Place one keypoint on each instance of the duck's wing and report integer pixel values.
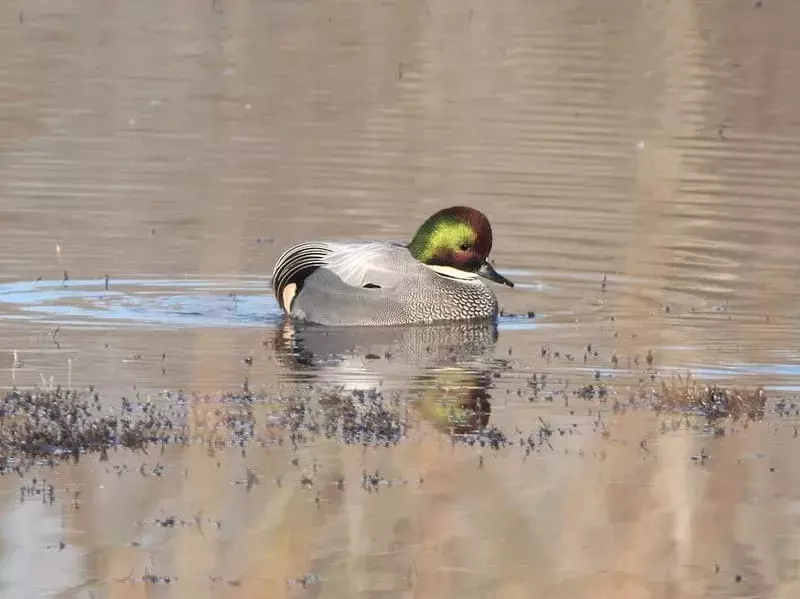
(364, 264)
(369, 264)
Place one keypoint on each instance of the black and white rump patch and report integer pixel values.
(293, 267)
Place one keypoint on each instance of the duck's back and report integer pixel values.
(373, 283)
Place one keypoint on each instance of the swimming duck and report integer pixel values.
(437, 277)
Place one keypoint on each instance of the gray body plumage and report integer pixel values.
(366, 283)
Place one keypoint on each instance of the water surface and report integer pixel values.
(638, 164)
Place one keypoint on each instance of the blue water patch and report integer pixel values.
(521, 322)
(191, 302)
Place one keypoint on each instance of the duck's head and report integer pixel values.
(456, 242)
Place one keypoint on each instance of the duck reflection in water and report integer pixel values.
(443, 372)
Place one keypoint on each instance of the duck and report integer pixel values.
(437, 277)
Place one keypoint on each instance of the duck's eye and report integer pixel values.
(464, 247)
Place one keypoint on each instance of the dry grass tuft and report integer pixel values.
(713, 402)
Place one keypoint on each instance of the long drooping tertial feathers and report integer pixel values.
(364, 264)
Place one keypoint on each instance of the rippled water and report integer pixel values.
(638, 163)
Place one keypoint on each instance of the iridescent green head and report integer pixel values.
(459, 238)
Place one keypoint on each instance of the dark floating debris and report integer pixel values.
(530, 315)
(61, 424)
(153, 579)
(225, 581)
(51, 425)
(490, 437)
(355, 418)
(305, 579)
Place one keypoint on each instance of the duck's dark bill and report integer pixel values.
(487, 272)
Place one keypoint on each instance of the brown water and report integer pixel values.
(178, 147)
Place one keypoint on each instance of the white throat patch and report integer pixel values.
(453, 273)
